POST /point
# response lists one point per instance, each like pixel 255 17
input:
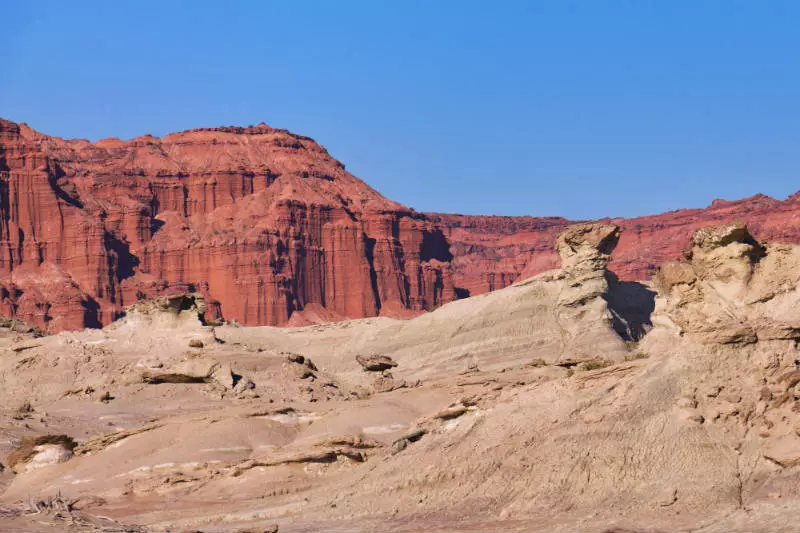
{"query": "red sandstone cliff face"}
pixel 492 252
pixel 264 222
pixel 272 229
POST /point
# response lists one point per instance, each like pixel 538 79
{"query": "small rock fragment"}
pixel 593 418
pixel 698 419
pixel 451 412
pixel 400 445
pixel 669 497
pixel 295 358
pixel 244 387
pixel 784 452
pixel 303 372
pixel 26 345
pixel 731 397
pixel 686 402
pixel 195 343
pixel 765 394
pixel 375 363
pixel 273 528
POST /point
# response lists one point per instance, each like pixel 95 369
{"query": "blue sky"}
pixel 580 109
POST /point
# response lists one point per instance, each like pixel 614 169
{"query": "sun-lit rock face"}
pixel 265 223
pixel 272 230
pixel 585 250
pixel 732 289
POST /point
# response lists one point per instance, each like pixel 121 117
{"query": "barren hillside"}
pixel 571 401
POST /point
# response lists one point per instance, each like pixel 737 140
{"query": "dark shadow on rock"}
pixel 369 251
pixel 126 262
pixel 631 304
pixel 156 225
pixel 91 313
pixel 53 179
pixel 435 246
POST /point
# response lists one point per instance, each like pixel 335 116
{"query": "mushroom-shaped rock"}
pixel 170 311
pixel 717 236
pixel 583 241
pixel 726 252
pixel 585 251
pixel 375 363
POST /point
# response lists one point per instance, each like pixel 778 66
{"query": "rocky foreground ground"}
pixel 571 401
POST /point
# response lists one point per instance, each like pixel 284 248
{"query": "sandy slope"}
pixel 537 407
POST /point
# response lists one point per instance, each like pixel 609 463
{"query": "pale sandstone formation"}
pixel 558 403
pixel 733 290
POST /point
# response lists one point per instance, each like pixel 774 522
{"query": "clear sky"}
pixel 580 109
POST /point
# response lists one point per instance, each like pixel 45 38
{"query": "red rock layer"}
pixel 493 252
pixel 265 222
pixel 272 229
pixel 647 242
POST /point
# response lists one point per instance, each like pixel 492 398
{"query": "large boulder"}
pixel 199 370
pixel 38 452
pixel 375 362
pixel 169 310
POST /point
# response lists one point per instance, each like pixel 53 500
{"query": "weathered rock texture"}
pixel 526 409
pixel 491 252
pixel 265 223
pixel 733 289
pixel 272 230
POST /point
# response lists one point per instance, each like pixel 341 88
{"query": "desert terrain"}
pixel 572 400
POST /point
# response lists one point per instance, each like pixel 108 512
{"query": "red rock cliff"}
pixel 493 252
pixel 272 229
pixel 266 223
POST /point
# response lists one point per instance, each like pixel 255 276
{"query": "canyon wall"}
pixel 265 223
pixel 272 229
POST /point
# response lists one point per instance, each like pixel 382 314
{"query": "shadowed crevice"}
pixel 435 246
pixel 126 262
pixel 631 305
pixel 369 251
pixel 52 180
pixel 91 313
